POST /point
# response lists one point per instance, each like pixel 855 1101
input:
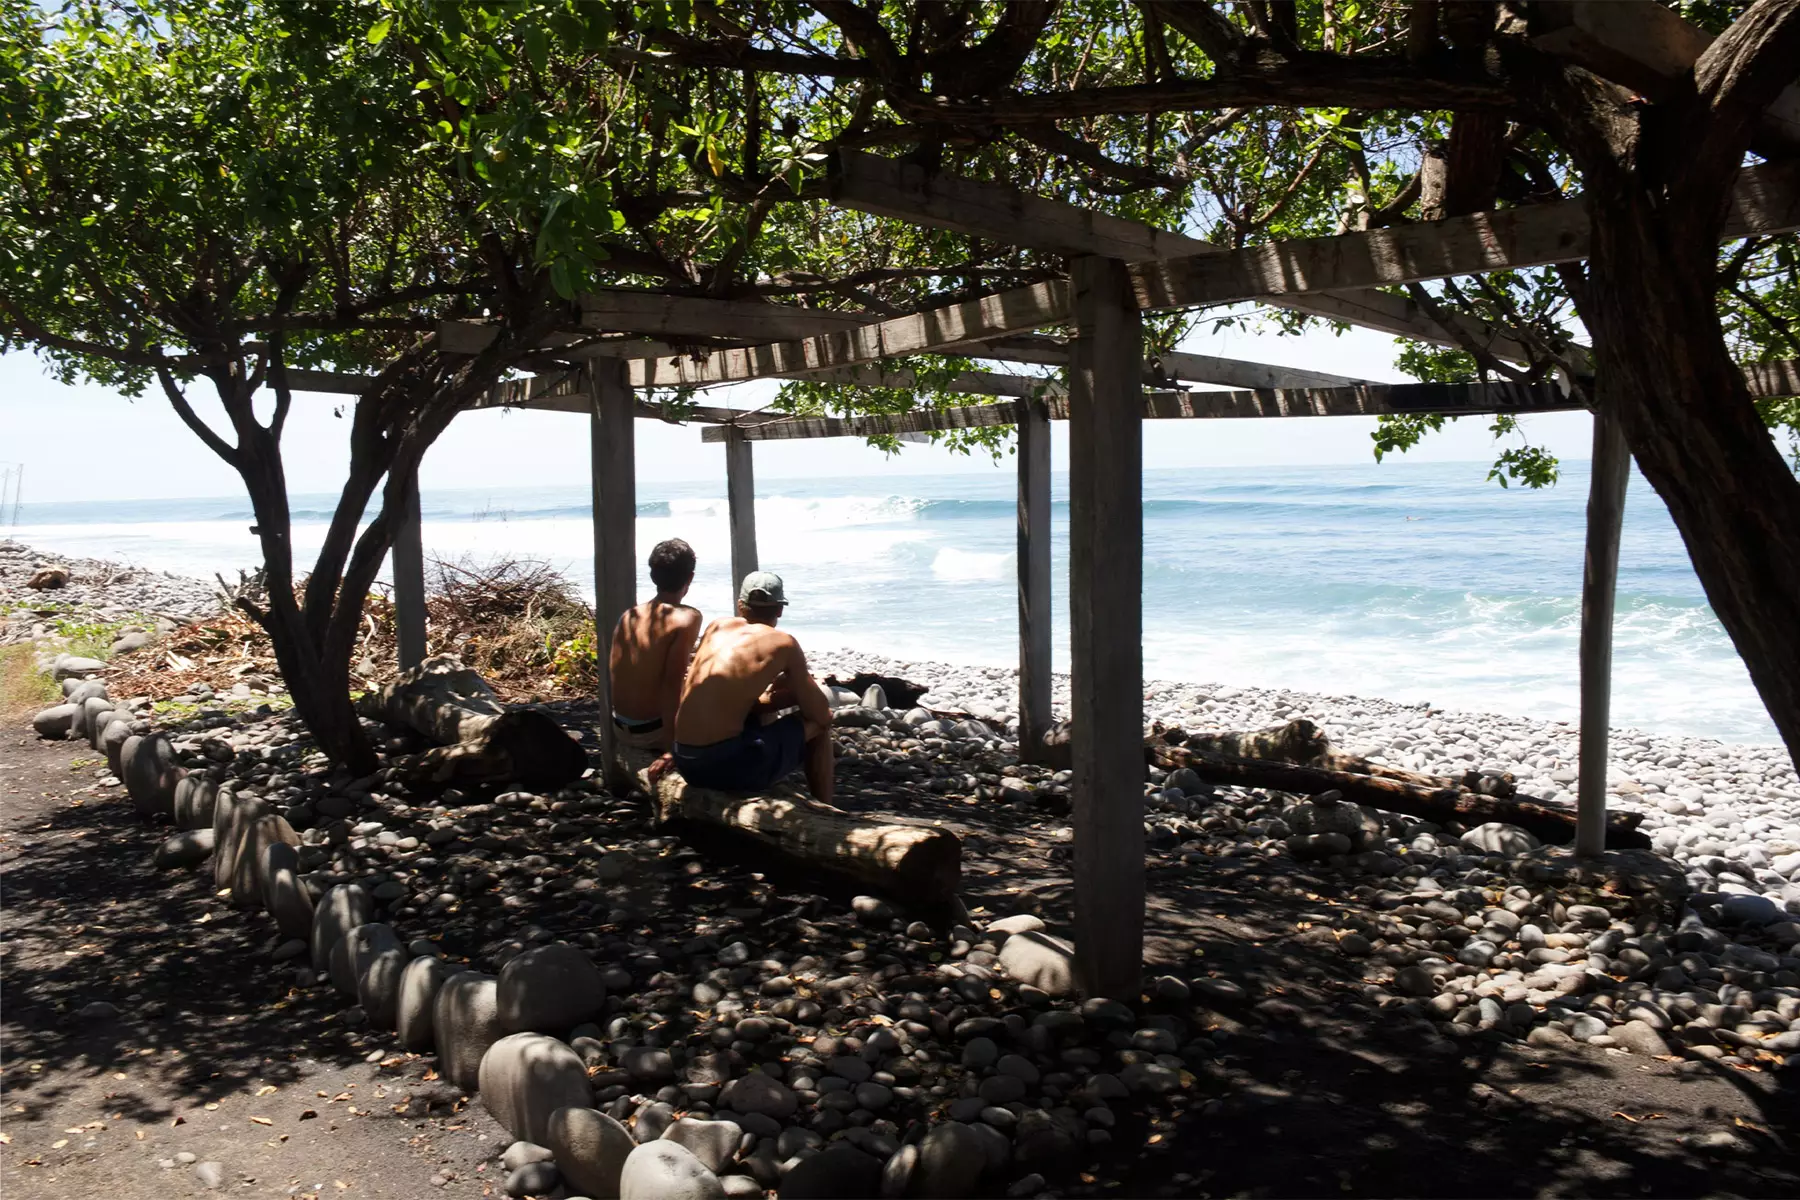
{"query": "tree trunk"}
pixel 1664 370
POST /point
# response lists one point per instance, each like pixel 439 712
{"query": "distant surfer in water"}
pixel 734 730
pixel 651 646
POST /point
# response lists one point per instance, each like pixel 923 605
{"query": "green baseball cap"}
pixel 761 589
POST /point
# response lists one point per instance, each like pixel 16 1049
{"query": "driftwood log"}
pixel 480 740
pixel 919 864
pixel 1550 823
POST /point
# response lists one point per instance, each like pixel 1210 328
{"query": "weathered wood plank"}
pixel 1236 373
pixel 740 502
pixel 612 436
pixel 1106 569
pixel 409 581
pixel 1599 585
pixel 1035 712
pixel 1766 200
pixel 621 310
pixel 889 188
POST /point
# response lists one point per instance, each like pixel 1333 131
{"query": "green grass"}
pixel 23 687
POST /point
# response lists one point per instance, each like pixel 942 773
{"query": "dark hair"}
pixel 763 612
pixel 671 564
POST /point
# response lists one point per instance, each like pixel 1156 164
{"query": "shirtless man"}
pixel 651 646
pixel 745 670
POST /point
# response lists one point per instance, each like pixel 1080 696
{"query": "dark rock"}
pixel 840 1170
pixel 591 1149
pixel 550 989
pixel 465 1021
pixel 188 849
pixel 419 985
pixel 54 722
pixel 525 1077
pixel 341 909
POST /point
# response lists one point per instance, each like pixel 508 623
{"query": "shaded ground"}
pixel 1316 1092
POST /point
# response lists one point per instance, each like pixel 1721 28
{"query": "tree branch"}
pixel 185 411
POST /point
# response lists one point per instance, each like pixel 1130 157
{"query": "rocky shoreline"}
pixel 644 1013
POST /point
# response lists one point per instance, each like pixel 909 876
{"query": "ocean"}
pixel 1408 581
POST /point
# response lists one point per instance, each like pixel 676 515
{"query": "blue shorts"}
pixel 754 759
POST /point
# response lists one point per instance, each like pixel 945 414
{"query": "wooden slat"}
pixel 889 188
pixel 972 383
pixel 1599 586
pixel 1018 311
pixel 1106 642
pixel 655 314
pixel 1768 380
pixel 1232 372
pixel 1766 200
pixel 408 561
pixel 1366 400
pixel 612 441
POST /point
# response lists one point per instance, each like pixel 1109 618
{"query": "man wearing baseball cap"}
pixel 731 730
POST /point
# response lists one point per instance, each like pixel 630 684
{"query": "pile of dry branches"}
pixel 509 619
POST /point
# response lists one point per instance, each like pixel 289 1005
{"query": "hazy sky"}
pixel 90 443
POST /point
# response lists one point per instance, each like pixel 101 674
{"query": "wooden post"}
pixel 615 531
pixel 409 580
pixel 1106 534
pixel 1034 578
pixel 740 500
pixel 1599 582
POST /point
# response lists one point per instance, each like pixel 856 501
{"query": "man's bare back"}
pixel 743 671
pixel 648 659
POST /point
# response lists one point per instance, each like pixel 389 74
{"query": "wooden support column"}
pixel 740 501
pixel 615 531
pixel 409 580
pixel 1034 578
pixel 1106 534
pixel 1599 583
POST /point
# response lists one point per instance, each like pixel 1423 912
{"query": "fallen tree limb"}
pixel 1302 743
pixel 480 740
pixel 918 864
pixel 1549 823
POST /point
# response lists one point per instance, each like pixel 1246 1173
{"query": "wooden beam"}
pixel 1599 585
pixel 612 441
pixel 1647 47
pixel 1106 570
pixel 409 580
pixel 889 188
pixel 1766 200
pixel 655 373
pixel 740 502
pixel 1368 400
pixel 619 310
pixel 1035 712
pixel 1232 372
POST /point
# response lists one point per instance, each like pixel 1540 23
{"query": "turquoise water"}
pixel 1409 581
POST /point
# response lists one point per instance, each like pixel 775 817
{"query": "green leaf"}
pixel 379 30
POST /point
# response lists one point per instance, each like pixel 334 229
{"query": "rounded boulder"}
pixel 419 985
pixel 380 962
pixel 662 1170
pixel 54 722
pixel 93 709
pixel 284 896
pixel 465 1020
pixel 189 848
pixel 549 989
pixel 339 911
pixel 590 1148
pixel 195 798
pixel 356 950
pixel 1043 961
pixel 525 1077
pixel 151 773
pixel 266 829
pixel 111 742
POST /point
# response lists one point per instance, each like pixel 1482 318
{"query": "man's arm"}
pixel 675 669
pixel 806 690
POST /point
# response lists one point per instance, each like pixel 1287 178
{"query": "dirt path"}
pixel 210 1053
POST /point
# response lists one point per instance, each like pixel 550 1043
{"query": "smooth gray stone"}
pixel 951 1159
pixel 210 1174
pixel 591 1149
pixel 550 989
pixel 419 985
pixel 1640 1037
pixel 68 665
pixel 714 1143
pixel 341 909
pixel 465 1021
pixel 54 722
pixel 284 896
pixel 264 829
pixel 652 1121
pixel 662 1170
pixel 151 773
pixel 99 719
pixel 91 708
pixel 137 639
pixel 186 849
pixel 840 1170
pixel 647 1064
pixel 522 1152
pixel 381 961
pixel 1017 923
pixel 740 1187
pixel 357 949
pixel 117 728
pixel 77 691
pixel 1497 837
pixel 761 1094
pixel 525 1077
pixel 1043 961
pixel 196 796
pixel 533 1179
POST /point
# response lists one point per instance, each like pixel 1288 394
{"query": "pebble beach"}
pixel 733 1033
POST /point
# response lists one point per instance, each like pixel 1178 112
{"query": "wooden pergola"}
pixel 1119 270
